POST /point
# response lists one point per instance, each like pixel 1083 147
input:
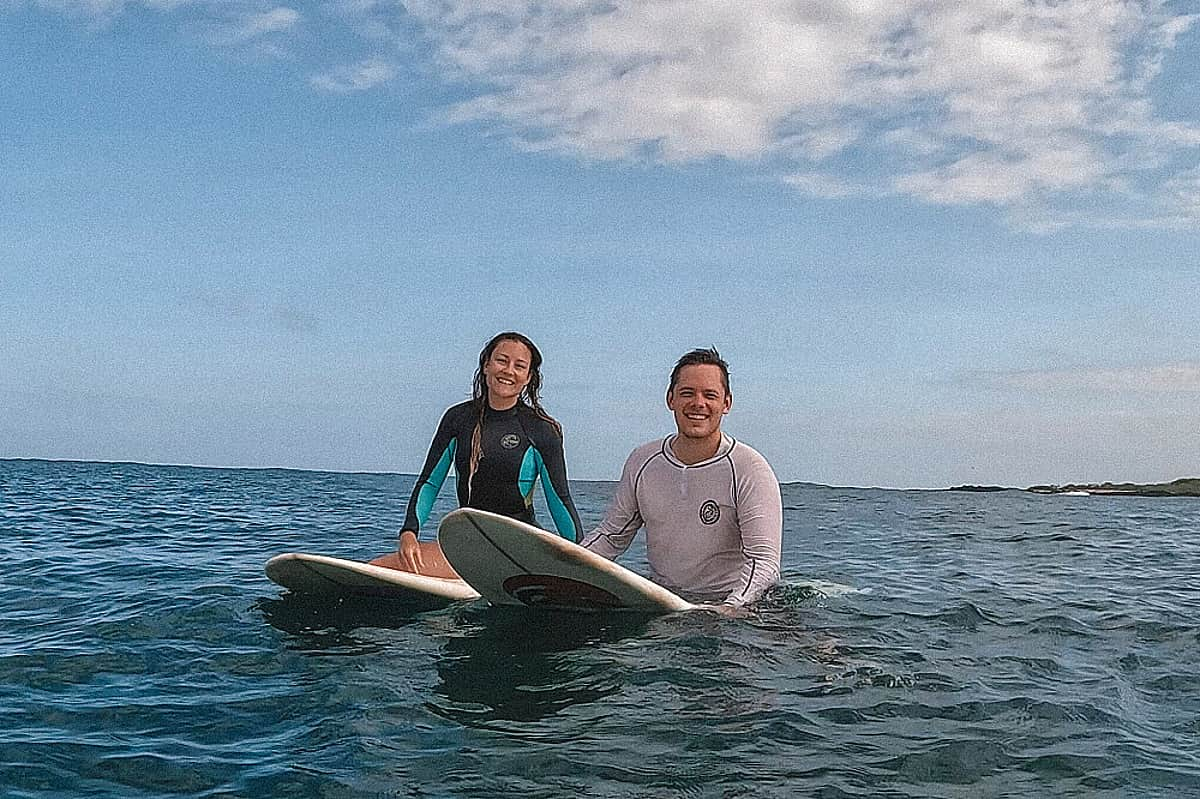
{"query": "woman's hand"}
pixel 410 552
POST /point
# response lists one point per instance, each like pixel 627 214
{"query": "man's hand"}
pixel 724 609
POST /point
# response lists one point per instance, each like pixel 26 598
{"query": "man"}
pixel 710 505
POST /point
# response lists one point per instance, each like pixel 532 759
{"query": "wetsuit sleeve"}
pixel 760 521
pixel 552 465
pixel 432 476
pixel 623 519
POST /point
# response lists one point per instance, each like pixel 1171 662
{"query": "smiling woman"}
pixel 500 442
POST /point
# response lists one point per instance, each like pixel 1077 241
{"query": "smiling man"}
pixel 710 504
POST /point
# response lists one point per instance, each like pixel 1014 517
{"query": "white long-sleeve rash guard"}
pixel 713 529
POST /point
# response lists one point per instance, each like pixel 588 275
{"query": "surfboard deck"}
pixel 322 575
pixel 513 563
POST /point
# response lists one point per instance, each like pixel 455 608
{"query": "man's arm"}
pixel 623 518
pixel 760 521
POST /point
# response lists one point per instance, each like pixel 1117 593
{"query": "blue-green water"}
pixel 924 644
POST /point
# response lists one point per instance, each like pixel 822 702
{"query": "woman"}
pixel 499 441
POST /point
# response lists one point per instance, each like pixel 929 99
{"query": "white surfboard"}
pixel 513 563
pixel 326 576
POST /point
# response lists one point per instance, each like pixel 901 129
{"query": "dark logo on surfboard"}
pixel 510 441
pixel 551 591
pixel 710 512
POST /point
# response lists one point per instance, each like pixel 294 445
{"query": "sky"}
pixel 938 242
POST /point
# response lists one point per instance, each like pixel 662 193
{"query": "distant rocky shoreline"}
pixel 1184 487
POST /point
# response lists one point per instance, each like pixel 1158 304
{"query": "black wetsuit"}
pixel 518 446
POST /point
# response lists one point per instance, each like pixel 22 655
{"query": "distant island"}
pixel 1184 487
pixel 982 488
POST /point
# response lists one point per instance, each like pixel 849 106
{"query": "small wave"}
pixel 155 773
pixel 962 616
pixel 1060 624
pixel 808 589
pixel 958 762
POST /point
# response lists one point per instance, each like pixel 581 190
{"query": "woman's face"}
pixel 506 373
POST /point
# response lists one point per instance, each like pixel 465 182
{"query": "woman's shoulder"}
pixel 537 423
pixel 462 411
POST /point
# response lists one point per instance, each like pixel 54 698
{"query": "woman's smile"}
pixel 507 373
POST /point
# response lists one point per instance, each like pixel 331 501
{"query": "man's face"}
pixel 699 400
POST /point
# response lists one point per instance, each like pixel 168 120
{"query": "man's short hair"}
pixel 697 358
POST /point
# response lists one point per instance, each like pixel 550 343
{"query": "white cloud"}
pixel 1007 177
pixel 1040 108
pixel 101 9
pixel 682 81
pixel 272 21
pixel 236 21
pixel 356 77
pixel 998 101
pixel 1183 193
pixel 818 185
pixel 255 25
pixel 1160 379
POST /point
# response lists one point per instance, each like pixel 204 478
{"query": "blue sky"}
pixel 939 243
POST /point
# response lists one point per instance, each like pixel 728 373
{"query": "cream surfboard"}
pixel 512 563
pixel 326 576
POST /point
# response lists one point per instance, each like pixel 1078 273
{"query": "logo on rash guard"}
pixel 510 441
pixel 710 512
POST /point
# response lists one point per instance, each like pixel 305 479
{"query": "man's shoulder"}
pixel 745 456
pixel 649 449
pixel 644 453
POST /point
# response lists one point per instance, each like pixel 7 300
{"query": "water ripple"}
pixel 923 644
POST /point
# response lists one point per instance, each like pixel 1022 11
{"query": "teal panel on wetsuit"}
pixel 558 509
pixel 527 476
pixel 433 484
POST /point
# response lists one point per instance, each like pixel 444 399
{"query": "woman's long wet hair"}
pixel 529 395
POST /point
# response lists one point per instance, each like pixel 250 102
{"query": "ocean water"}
pixel 923 644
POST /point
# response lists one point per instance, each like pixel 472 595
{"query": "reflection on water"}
pixel 517 664
pixel 327 624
